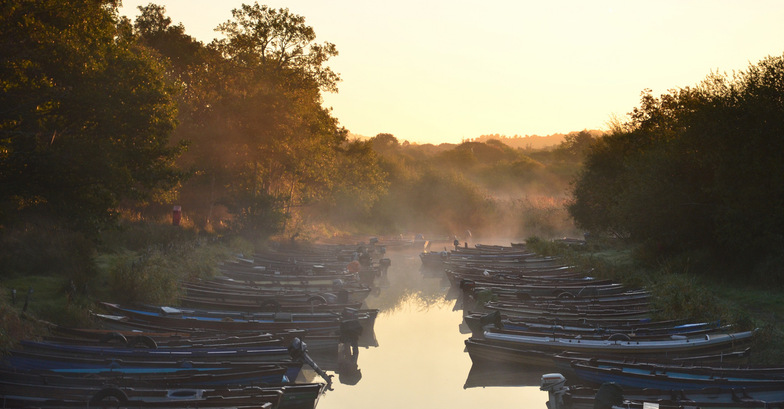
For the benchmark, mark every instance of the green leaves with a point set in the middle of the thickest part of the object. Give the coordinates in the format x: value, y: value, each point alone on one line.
x: 260, y: 143
x: 278, y: 42
x: 698, y: 168
x: 89, y: 115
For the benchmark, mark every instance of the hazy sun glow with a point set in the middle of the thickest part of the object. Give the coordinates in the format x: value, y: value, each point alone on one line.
x: 432, y: 71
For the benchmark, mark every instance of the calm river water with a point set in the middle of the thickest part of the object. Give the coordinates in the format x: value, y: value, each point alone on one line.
x: 419, y: 360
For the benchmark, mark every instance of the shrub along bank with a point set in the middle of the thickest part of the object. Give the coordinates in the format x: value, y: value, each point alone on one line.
x: 142, y: 262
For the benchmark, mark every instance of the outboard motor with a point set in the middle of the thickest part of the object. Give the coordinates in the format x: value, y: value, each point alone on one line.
x: 364, y: 259
x: 555, y: 386
x: 299, y: 351
x: 383, y: 265
x: 479, y: 325
x: 609, y: 395
x: 350, y: 331
x: 494, y: 318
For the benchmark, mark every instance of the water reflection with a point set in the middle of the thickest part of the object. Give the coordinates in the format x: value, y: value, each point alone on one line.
x: 415, y: 357
x: 348, y: 368
x: 368, y: 338
x: 483, y: 376
x: 343, y: 360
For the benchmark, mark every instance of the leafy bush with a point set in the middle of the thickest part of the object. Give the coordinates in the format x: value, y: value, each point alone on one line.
x: 544, y: 217
x: 697, y: 169
x: 140, y: 234
x: 153, y: 275
x: 683, y: 296
x: 133, y: 278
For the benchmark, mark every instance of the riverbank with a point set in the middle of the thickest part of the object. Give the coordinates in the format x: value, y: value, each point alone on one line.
x: 683, y: 289
x: 679, y: 289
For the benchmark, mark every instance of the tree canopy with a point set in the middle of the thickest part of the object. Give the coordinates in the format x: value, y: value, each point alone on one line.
x: 261, y: 145
x: 86, y: 114
x: 98, y: 110
x: 103, y: 114
x: 697, y: 169
x: 278, y: 42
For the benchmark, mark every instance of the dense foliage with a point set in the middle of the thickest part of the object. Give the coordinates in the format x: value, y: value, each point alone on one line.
x: 86, y: 115
x: 696, y: 171
x: 105, y: 117
x: 98, y: 112
x: 264, y: 154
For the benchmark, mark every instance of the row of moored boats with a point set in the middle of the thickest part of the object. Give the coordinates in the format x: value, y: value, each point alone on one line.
x: 265, y: 333
x: 598, y: 342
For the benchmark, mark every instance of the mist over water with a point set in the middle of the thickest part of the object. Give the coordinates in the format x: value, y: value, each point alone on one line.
x: 420, y: 359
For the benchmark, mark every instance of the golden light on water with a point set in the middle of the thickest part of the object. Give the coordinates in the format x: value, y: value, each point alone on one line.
x: 420, y: 361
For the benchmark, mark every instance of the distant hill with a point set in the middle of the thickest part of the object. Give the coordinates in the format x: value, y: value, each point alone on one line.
x: 515, y: 141
x: 530, y: 141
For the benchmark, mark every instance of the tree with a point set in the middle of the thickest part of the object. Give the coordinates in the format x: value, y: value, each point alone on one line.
x: 697, y: 169
x: 86, y: 115
x: 278, y: 42
x: 576, y: 145
x: 183, y: 55
x: 385, y: 142
x: 258, y: 135
x: 362, y: 183
x: 598, y: 188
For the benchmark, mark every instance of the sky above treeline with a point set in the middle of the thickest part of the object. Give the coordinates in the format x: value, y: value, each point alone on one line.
x: 435, y: 71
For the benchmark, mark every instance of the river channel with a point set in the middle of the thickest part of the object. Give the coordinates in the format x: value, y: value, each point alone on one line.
x: 418, y: 358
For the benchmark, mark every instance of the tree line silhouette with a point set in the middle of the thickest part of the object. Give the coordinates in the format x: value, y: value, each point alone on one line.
x: 696, y: 172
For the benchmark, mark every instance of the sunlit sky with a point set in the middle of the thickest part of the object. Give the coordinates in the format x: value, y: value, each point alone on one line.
x: 434, y: 71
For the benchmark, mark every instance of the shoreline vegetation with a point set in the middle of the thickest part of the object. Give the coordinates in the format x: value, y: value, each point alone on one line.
x: 113, y: 124
x: 680, y: 290
x: 151, y: 276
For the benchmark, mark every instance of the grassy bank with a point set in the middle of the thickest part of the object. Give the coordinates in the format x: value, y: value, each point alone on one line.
x: 142, y: 262
x: 684, y: 289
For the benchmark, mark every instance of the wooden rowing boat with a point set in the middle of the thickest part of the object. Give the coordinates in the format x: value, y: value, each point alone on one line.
x: 611, y: 395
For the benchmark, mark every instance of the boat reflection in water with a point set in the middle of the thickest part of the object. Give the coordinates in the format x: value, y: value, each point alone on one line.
x: 344, y: 357
x: 341, y: 362
x: 348, y: 368
x: 416, y: 358
x: 481, y: 376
